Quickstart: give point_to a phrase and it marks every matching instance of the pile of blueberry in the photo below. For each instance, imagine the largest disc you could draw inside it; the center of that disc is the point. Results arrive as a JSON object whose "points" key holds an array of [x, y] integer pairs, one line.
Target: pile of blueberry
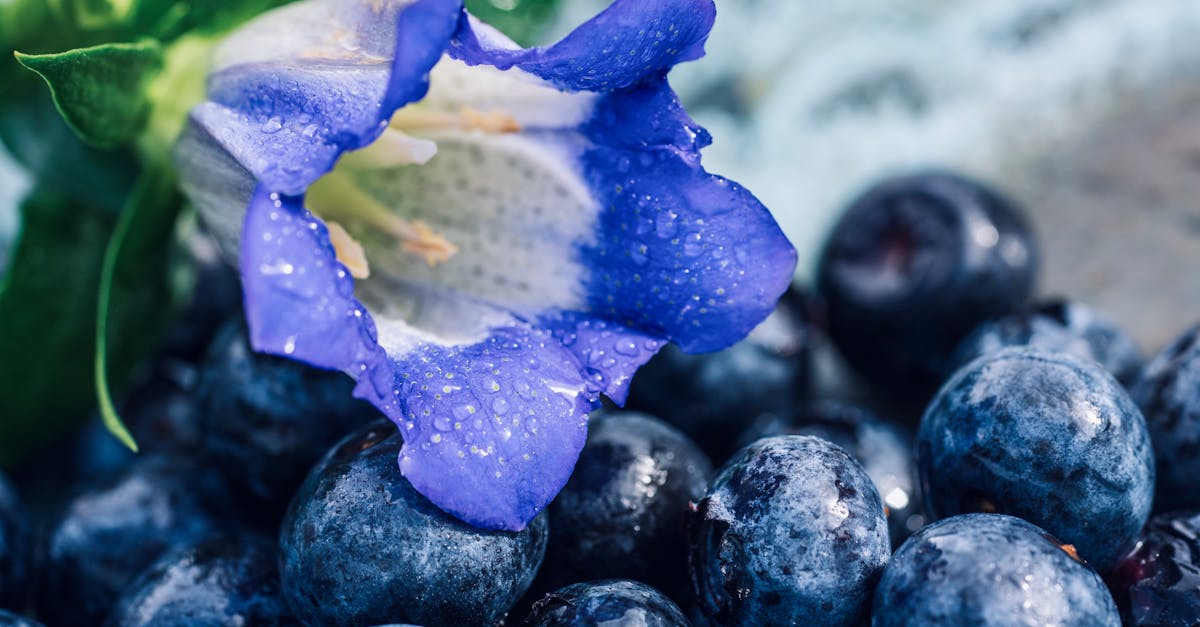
{"points": [[1002, 467]]}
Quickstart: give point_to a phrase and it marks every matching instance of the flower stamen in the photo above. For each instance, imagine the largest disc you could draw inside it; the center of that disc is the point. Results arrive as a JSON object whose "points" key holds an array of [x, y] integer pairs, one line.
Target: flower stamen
{"points": [[466, 118], [336, 198], [348, 251]]}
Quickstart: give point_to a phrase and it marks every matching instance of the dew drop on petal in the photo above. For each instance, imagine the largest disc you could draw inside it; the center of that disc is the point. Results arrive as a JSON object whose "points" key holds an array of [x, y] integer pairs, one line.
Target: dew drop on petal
{"points": [[626, 346], [272, 125]]}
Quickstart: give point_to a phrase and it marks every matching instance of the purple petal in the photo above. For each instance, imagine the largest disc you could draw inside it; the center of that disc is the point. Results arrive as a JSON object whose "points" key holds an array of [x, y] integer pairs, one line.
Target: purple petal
{"points": [[299, 300], [288, 120], [492, 430], [608, 353], [627, 42], [681, 253]]}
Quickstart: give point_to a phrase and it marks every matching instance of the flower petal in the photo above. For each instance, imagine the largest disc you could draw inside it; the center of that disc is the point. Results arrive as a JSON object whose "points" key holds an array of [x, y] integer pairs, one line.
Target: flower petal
{"points": [[681, 253], [299, 300], [628, 41], [297, 87], [492, 430], [609, 353]]}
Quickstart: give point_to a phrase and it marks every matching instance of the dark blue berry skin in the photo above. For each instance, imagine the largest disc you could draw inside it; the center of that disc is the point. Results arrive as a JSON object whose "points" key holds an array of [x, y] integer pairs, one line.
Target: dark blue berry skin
{"points": [[1169, 394], [16, 544], [8, 619], [609, 602], [216, 582], [106, 535], [1058, 326], [1048, 437], [266, 420], [792, 532], [914, 265], [989, 569], [623, 514], [883, 449], [360, 546], [713, 397], [1158, 583]]}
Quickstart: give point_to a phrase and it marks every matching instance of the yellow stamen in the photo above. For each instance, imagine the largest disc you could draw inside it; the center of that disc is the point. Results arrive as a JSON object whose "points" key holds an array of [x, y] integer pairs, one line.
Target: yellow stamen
{"points": [[336, 197], [466, 118], [349, 251]]}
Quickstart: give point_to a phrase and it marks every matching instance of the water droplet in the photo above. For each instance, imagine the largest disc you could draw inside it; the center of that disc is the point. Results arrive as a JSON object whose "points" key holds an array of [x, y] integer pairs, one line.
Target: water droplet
{"points": [[639, 252], [499, 405], [442, 423], [626, 346], [666, 224], [524, 390], [692, 245], [273, 125]]}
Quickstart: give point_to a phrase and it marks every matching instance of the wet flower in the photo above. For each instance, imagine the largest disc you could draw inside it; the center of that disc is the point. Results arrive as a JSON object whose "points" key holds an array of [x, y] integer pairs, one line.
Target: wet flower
{"points": [[487, 238]]}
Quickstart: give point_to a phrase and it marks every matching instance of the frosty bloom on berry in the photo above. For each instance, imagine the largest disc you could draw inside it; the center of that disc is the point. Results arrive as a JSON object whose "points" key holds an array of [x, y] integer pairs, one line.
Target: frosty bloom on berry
{"points": [[487, 238]]}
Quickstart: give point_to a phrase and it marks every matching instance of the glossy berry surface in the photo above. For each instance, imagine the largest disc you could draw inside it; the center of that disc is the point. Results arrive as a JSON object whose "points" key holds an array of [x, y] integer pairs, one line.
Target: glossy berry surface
{"points": [[624, 511], [883, 449], [712, 397], [216, 582], [610, 602], [915, 264], [16, 544], [360, 546], [791, 532], [113, 530], [1169, 394], [989, 569], [266, 420], [1059, 327], [1158, 583], [1048, 437]]}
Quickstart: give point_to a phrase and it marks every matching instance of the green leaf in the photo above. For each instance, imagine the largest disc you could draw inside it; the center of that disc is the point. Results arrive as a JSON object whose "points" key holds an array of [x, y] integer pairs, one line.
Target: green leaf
{"points": [[49, 293], [135, 286], [47, 311], [523, 20], [100, 90]]}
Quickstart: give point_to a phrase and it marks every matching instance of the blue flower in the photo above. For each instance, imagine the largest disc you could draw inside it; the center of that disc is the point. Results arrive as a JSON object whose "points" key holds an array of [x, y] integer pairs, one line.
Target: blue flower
{"points": [[487, 238]]}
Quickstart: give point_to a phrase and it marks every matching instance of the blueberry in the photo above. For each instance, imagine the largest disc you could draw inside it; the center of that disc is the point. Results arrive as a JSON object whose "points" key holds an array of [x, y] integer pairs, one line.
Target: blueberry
{"points": [[610, 602], [267, 419], [216, 582], [1158, 583], [792, 532], [712, 397], [1049, 437], [623, 513], [913, 265], [15, 545], [360, 546], [116, 528], [1169, 394], [1060, 327], [883, 449], [989, 569], [8, 619]]}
